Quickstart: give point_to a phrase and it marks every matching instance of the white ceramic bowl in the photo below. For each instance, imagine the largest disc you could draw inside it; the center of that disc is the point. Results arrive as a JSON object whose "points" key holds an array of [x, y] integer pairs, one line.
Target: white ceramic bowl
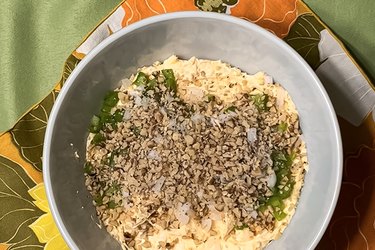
{"points": [[186, 34]]}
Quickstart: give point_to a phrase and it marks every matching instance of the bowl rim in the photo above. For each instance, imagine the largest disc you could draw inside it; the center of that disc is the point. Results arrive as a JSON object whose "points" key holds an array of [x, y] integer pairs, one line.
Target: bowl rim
{"points": [[165, 17]]}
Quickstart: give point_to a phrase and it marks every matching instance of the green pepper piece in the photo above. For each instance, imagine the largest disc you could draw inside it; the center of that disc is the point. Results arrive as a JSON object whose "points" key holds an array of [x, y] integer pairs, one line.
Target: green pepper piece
{"points": [[262, 208], [118, 115], [262, 200], [141, 79], [105, 117], [123, 151], [111, 99], [151, 84], [275, 202], [279, 215], [106, 109], [113, 189], [277, 205], [210, 98], [114, 119], [230, 109], [95, 129], [171, 85], [96, 124], [278, 156], [279, 159], [290, 158], [110, 159], [136, 130], [282, 127], [242, 227], [168, 73], [157, 96], [170, 80], [260, 102], [281, 173], [88, 168], [98, 138], [286, 190], [98, 200], [95, 120], [111, 204]]}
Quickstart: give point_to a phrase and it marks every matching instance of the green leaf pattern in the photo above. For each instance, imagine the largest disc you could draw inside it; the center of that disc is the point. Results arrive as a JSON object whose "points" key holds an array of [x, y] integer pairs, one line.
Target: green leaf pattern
{"points": [[357, 100], [70, 64], [17, 211], [304, 37], [28, 133]]}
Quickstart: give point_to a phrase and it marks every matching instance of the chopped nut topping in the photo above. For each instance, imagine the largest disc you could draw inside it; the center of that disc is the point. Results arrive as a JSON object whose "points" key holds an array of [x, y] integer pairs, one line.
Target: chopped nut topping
{"points": [[169, 162]]}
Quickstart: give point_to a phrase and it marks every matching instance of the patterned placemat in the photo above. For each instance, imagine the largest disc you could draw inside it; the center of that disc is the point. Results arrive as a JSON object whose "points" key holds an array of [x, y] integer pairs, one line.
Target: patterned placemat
{"points": [[25, 219]]}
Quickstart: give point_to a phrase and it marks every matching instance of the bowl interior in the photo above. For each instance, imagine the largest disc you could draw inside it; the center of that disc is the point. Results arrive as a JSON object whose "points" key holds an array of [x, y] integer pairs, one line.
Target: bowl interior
{"points": [[187, 34]]}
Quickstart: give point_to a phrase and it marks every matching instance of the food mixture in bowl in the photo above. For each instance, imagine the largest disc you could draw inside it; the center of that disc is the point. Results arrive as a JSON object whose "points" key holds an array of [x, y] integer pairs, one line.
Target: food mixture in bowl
{"points": [[195, 154]]}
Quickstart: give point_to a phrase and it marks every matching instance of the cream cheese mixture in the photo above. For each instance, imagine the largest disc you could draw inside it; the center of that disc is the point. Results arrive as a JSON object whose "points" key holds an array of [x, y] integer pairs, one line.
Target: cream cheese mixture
{"points": [[195, 154]]}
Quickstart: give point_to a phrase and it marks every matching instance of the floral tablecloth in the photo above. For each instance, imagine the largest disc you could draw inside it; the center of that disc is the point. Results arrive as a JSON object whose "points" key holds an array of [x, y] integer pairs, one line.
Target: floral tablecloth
{"points": [[25, 219]]}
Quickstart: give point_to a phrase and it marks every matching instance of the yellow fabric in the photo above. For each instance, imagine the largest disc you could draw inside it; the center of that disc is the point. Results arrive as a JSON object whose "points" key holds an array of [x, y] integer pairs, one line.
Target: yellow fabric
{"points": [[44, 227]]}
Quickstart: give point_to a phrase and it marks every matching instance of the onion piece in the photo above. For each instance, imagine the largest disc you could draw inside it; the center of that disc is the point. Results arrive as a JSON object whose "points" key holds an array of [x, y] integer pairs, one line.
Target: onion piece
{"points": [[251, 135], [127, 115], [195, 93], [271, 180], [181, 213], [158, 184], [206, 224], [138, 101], [214, 214], [154, 155], [125, 84], [197, 117], [268, 79], [280, 97], [253, 214]]}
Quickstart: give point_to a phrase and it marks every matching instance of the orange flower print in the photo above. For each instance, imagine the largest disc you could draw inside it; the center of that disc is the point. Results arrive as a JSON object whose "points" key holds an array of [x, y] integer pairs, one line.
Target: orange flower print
{"points": [[136, 10], [352, 224], [353, 136], [277, 16]]}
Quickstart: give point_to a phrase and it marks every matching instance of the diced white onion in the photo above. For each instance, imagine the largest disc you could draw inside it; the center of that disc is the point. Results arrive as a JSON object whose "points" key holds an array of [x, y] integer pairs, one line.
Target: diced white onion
{"points": [[206, 224], [214, 214], [134, 93], [164, 113], [268, 79], [158, 139], [280, 97], [271, 180], [197, 117], [125, 84], [181, 213], [195, 93], [153, 155], [251, 135], [127, 115], [253, 214], [158, 184]]}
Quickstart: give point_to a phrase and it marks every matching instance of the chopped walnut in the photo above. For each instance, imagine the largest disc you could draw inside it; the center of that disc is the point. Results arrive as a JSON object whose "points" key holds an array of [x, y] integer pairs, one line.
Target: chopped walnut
{"points": [[176, 162]]}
